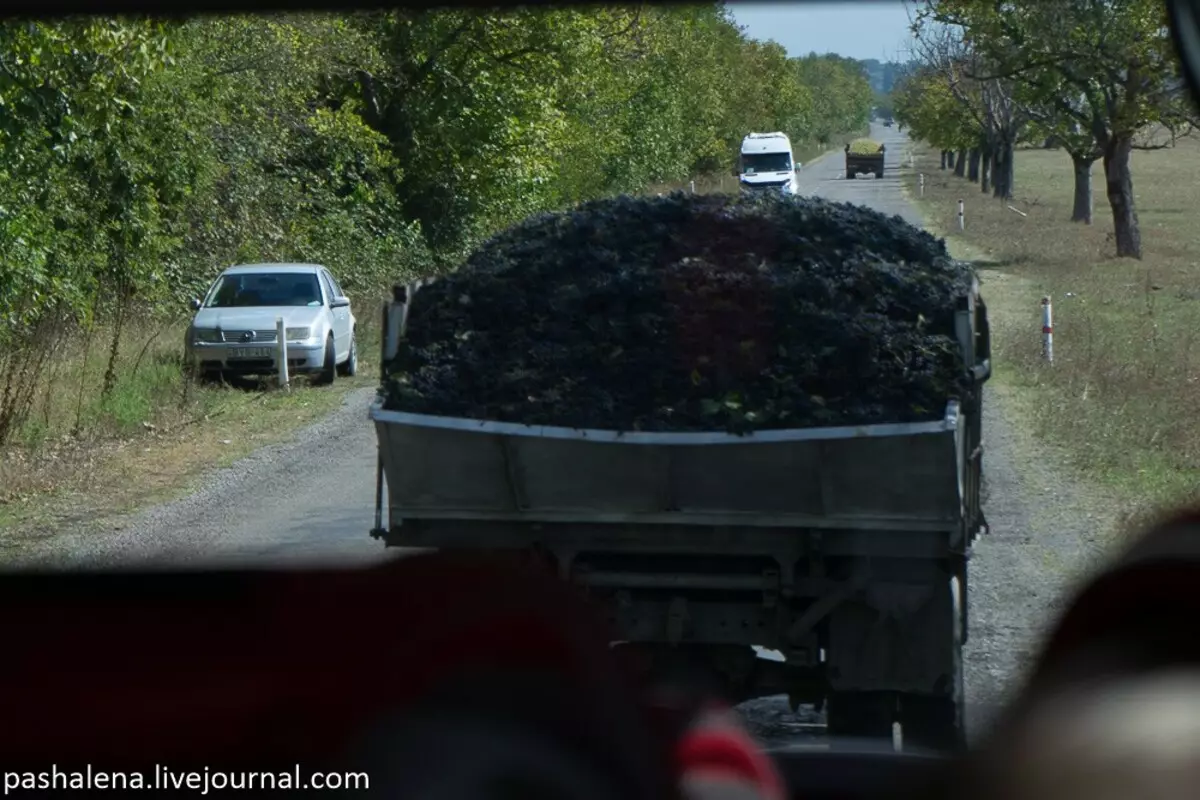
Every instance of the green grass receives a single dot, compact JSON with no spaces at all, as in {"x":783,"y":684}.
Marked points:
{"x":1121,"y":397}
{"x":83,"y":454}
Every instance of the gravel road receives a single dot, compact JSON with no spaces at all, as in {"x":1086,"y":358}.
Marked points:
{"x":311,"y":500}
{"x":1045,"y":531}
{"x":307,"y":501}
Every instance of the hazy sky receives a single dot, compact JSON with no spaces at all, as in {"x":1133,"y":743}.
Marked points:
{"x":858,"y":29}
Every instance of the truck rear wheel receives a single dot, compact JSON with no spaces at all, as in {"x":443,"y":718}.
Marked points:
{"x":926,"y":722}
{"x":860,"y":715}
{"x":931,"y":723}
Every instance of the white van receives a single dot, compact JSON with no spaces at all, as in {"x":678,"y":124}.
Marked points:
{"x":766,"y":164}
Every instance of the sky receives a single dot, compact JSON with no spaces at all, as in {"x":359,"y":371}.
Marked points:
{"x":859,"y":29}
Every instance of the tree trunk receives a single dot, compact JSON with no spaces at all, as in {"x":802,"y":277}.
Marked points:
{"x":943,"y":159}
{"x":960,"y":164}
{"x":973,"y":165}
{"x":1119,"y":183}
{"x":1082,"y":211}
{"x":114,"y":350}
{"x":987,"y":161}
{"x":1002,"y":172}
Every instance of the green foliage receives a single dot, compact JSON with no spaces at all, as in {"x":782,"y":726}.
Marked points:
{"x":1103,"y":65}
{"x":925,"y":104}
{"x":842,"y":96}
{"x":140,"y":157}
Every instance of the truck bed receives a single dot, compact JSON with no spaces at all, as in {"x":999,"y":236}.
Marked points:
{"x":704,"y":546}
{"x":903,"y":476}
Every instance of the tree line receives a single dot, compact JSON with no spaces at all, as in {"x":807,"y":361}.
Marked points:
{"x":1096,"y":78}
{"x":138,"y":156}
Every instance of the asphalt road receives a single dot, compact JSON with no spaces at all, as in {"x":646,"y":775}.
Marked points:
{"x":311,"y":501}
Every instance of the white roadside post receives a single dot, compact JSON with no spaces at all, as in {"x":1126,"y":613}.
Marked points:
{"x":281,"y":353}
{"x":922,"y":184}
{"x":395,"y":323}
{"x":962,"y":222}
{"x":1047,"y":331}
{"x":693,"y":185}
{"x":396,"y":316}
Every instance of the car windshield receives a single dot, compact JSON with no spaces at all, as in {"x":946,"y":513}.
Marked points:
{"x":250,"y":289}
{"x":766,"y":162}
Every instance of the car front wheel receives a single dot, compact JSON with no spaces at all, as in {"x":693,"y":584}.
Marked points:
{"x":329,"y":370}
{"x":349,"y":368}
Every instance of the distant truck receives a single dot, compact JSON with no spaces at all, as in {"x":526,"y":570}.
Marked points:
{"x":864,"y":156}
{"x":841,"y":550}
{"x":766,"y":164}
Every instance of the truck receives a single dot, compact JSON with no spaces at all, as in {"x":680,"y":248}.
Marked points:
{"x":766,"y":164}
{"x":825,"y":564}
{"x":861,"y":163}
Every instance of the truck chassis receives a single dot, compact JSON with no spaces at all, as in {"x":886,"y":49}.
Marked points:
{"x":843,"y":550}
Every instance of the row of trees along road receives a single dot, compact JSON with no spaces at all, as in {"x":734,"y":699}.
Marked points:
{"x":1098,"y":78}
{"x":139,"y":157}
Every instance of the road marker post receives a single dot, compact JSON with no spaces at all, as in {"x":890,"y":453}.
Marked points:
{"x":281,"y":354}
{"x":962,"y":221}
{"x":1047,"y":330}
{"x":922,"y":184}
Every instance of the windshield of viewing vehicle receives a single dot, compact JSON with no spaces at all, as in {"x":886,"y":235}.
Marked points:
{"x":561,"y":193}
{"x":242,"y":290}
{"x":766,"y":162}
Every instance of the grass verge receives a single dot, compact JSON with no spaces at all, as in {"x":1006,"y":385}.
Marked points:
{"x":1120,"y":398}
{"x":83,"y":456}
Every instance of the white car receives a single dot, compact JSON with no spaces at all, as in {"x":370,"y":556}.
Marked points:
{"x":234,"y":329}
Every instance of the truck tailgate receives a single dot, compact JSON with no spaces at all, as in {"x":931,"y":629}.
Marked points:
{"x":890,"y":476}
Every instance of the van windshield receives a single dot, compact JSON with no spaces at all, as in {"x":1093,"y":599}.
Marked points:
{"x":766,"y":162}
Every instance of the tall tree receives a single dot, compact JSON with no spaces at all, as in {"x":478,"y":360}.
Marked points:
{"x":1108,"y":65}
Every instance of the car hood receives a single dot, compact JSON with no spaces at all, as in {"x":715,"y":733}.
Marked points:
{"x":258,"y":318}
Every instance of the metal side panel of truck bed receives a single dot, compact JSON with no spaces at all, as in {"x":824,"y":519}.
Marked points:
{"x":903,"y":476}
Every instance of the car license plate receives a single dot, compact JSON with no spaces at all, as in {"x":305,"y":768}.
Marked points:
{"x":252,"y":352}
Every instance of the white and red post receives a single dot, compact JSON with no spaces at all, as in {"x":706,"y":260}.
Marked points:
{"x":1047,"y":330}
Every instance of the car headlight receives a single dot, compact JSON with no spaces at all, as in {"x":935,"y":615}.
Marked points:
{"x":207,"y":335}
{"x":298,"y":334}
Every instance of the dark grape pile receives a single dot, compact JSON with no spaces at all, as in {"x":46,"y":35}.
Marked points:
{"x":685,"y":313}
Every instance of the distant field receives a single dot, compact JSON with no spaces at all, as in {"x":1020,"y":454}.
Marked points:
{"x":1122,"y":398}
